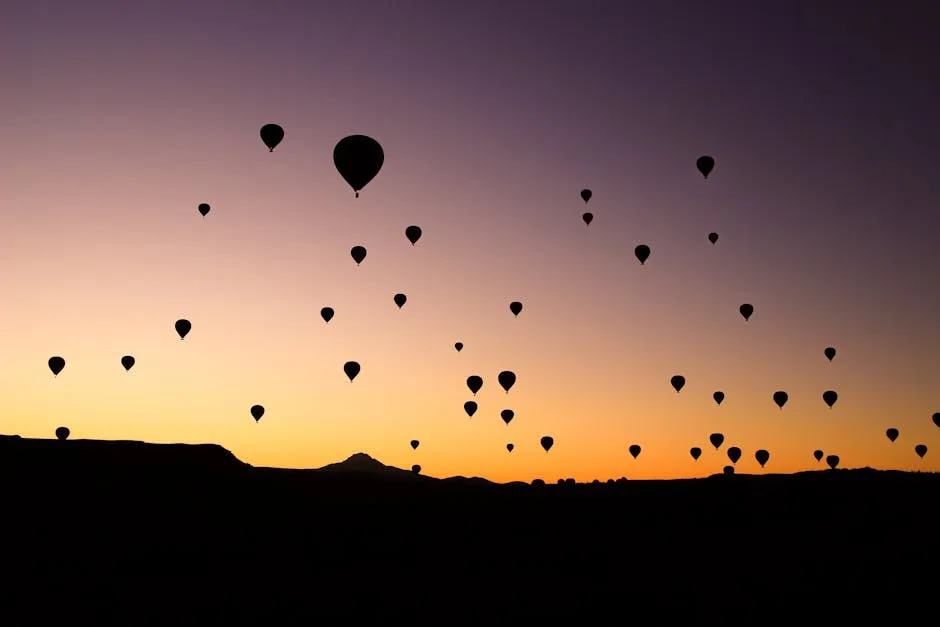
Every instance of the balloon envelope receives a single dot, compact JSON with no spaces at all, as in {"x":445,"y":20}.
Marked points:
{"x":400,"y":300}
{"x":474,"y":382}
{"x":515,"y":307}
{"x":588,"y":217}
{"x":458,"y":346}
{"x":413,"y":233}
{"x":470,"y":407}
{"x":818,"y":454}
{"x":128,"y":362}
{"x":414,"y":444}
{"x":547,"y":442}
{"x":416,"y":469}
{"x":830,"y":353}
{"x":327,"y":314}
{"x":713,"y":237}
{"x":358,"y":159}
{"x":257,"y":411}
{"x":892,"y":434}
{"x":705,"y":165}
{"x":921,"y":450}
{"x":56,"y":364}
{"x":62,"y":433}
{"x":718,"y":396}
{"x":635,"y":450}
{"x":642,"y":253}
{"x":507,"y":379}
{"x":183,"y":327}
{"x":717,"y":439}
{"x":830,"y":398}
{"x":678,"y":382}
{"x":936,"y":418}
{"x":507,"y":415}
{"x":271,"y":135}
{"x":734,"y":454}
{"x":358,"y":253}
{"x":762,"y":457}
{"x":586,"y":195}
{"x":351,"y":368}
{"x":728,"y":470}
{"x":833,"y":461}
{"x":509,"y":447}
{"x":747,"y":310}
{"x":695,"y":452}
{"x":780,"y":398}
{"x":203,"y":209}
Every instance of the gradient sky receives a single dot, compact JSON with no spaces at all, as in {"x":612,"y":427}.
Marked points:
{"x":120,"y":117}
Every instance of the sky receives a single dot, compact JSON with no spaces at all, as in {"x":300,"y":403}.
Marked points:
{"x":121,"y":116}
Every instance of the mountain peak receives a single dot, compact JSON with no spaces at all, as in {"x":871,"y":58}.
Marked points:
{"x":360,"y":462}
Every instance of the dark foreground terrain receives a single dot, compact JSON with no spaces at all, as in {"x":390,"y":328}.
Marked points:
{"x":131,"y":533}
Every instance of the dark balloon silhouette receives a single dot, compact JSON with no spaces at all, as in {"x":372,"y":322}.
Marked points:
{"x":400,"y":300}
{"x":203,"y":209}
{"x":818,"y":454}
{"x":327,"y":314}
{"x":833,"y":461}
{"x":936,"y":419}
{"x":586,"y":195}
{"x":358,"y":254}
{"x":780,"y":398}
{"x":830,"y":398}
{"x":588,"y":217}
{"x":547,"y":442}
{"x":56,"y":364}
{"x":718,"y":396}
{"x":358,"y":159}
{"x":271,"y":135}
{"x":762,"y":457}
{"x":642,"y":253}
{"x":713,"y":237}
{"x":507,"y":379}
{"x":705,"y":165}
{"x":470,"y":407}
{"x":635,"y":450}
{"x":351,"y":368}
{"x":257,"y":411}
{"x":62,"y":433}
{"x":183,"y":327}
{"x":416,"y":469}
{"x":717,"y":439}
{"x":413,"y":233}
{"x":678,"y":382}
{"x":458,"y":346}
{"x":734,"y":454}
{"x":414,"y":444}
{"x":830,"y":353}
{"x":474,"y":382}
{"x":747,"y":310}
{"x":507,"y":415}
{"x":728,"y":470}
{"x":515,"y":307}
{"x":921,"y":450}
{"x":128,"y":362}
{"x":509,"y":447}
{"x":695,"y":452}
{"x":892,"y":434}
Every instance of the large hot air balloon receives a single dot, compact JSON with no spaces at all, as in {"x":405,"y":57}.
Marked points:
{"x":695,"y":452}
{"x":351,"y":368}
{"x":547,"y":442}
{"x":128,"y":362}
{"x":728,"y":470}
{"x":892,"y":434}
{"x":586,"y":195}
{"x":921,"y":450}
{"x":56,"y":364}
{"x":734,"y":454}
{"x":830,"y":398}
{"x":761,"y":456}
{"x":717,"y":439}
{"x":818,"y":454}
{"x":183,"y":327}
{"x":635,"y":450}
{"x":271,"y":135}
{"x":257,"y":411}
{"x":678,"y":382}
{"x":713,"y":237}
{"x":413,"y":233}
{"x":747,"y":310}
{"x":458,"y":346}
{"x":327,"y":314}
{"x":400,"y":300}
{"x":62,"y":433}
{"x":507,"y":415}
{"x":416,"y":469}
{"x":705,"y":165}
{"x":780,"y":398}
{"x":358,"y":159}
{"x":588,"y":217}
{"x":718,"y":396}
{"x":414,"y":444}
{"x":515,"y":307}
{"x":830,"y":353}
{"x":358,"y":253}
{"x":832,"y":460}
{"x":507,"y":379}
{"x":470,"y":407}
{"x":642,"y":253}
{"x":474,"y":382}
{"x":203,"y":209}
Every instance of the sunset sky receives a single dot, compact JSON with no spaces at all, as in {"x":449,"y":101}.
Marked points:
{"x":121,"y":116}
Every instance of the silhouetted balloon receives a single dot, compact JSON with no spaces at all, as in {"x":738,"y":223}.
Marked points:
{"x":414,"y":444}
{"x":936,"y":418}
{"x":358,"y":253}
{"x":413,"y":233}
{"x":678,"y":382}
{"x":62,"y":433}
{"x":458,"y":346}
{"x":586,"y":195}
{"x":892,"y":434}
{"x":635,"y":450}
{"x":400,"y":300}
{"x":416,"y":469}
{"x":351,"y":368}
{"x":713,"y":237}
{"x":705,"y":165}
{"x":56,"y":364}
{"x":588,"y":217}
{"x":257,"y":411}
{"x":642,"y":253}
{"x":728,"y":470}
{"x":921,"y":450}
{"x":128,"y":362}
{"x":327,"y":314}
{"x":203,"y":209}
{"x":695,"y":452}
{"x":830,"y":353}
{"x":734,"y":454}
{"x":747,"y":310}
{"x":474,"y":382}
{"x":818,"y":454}
{"x":183,"y":327}
{"x":547,"y":442}
{"x":509,"y":447}
{"x":507,"y":379}
{"x":761,"y":456}
{"x":515,"y":307}
{"x":271,"y":135}
{"x":507,"y":415}
{"x":833,"y":461}
{"x":780,"y":398}
{"x":718,"y":396}
{"x":830,"y":398}
{"x":717,"y":439}
{"x":470,"y":407}
{"x":358,"y":159}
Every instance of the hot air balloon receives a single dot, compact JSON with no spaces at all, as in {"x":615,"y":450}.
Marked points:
{"x":734,"y":454}
{"x":586,"y":195}
{"x":588,"y":217}
{"x":203,"y":209}
{"x":257,"y":411}
{"x":547,"y":442}
{"x":414,"y":444}
{"x":761,"y":456}
{"x":507,"y":379}
{"x":413,"y":233}
{"x":936,"y":418}
{"x":62,"y":433}
{"x":747,"y":310}
{"x":183,"y":327}
{"x":416,"y":469}
{"x":327,"y":314}
{"x":635,"y":450}
{"x":358,"y":159}
{"x":400,"y":300}
{"x":818,"y":454}
{"x":128,"y":362}
{"x":833,"y":461}
{"x":728,"y":470}
{"x":474,"y":382}
{"x":695,"y":452}
{"x":56,"y":364}
{"x":507,"y":415}
{"x":780,"y":398}
{"x":351,"y":368}
{"x":358,"y":253}
{"x":678,"y":382}
{"x":717,"y":439}
{"x":515,"y":307}
{"x":458,"y":346}
{"x":271,"y":135}
{"x":830,"y":398}
{"x":830,"y":353}
{"x":713,"y":237}
{"x":705,"y":165}
{"x":921,"y":450}
{"x":642,"y":253}
{"x":892,"y":434}
{"x":470,"y":407}
{"x":718,"y":396}
{"x":509,"y":447}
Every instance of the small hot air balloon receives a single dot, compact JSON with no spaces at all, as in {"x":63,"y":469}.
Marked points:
{"x":271,"y":135}
{"x":747,"y":310}
{"x":413,"y":233}
{"x":588,"y":217}
{"x":203,"y":209}
{"x":830,"y":398}
{"x":642,"y":253}
{"x":734,"y":454}
{"x":507,"y":415}
{"x":717,"y":439}
{"x":62,"y":433}
{"x":183,"y":327}
{"x":470,"y":407}
{"x":818,"y":454}
{"x":936,"y":418}
{"x":515,"y":307}
{"x":416,"y":469}
{"x":257,"y":411}
{"x":327,"y":314}
{"x":705,"y":165}
{"x":509,"y":447}
{"x":780,"y":398}
{"x":713,"y":237}
{"x":635,"y":450}
{"x":833,"y":461}
{"x":830,"y":353}
{"x":678,"y":382}
{"x":414,"y":444}
{"x":728,"y":470}
{"x":351,"y":368}
{"x":56,"y":364}
{"x":718,"y":396}
{"x":695,"y":452}
{"x":458,"y":346}
{"x":128,"y":362}
{"x":507,"y":379}
{"x":474,"y":382}
{"x":358,"y":254}
{"x":358,"y":159}
{"x":921,"y":450}
{"x":761,"y":456}
{"x":547,"y":442}
{"x":586,"y":195}
{"x":892,"y":434}
{"x":400,"y":300}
